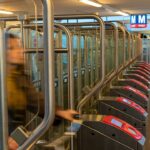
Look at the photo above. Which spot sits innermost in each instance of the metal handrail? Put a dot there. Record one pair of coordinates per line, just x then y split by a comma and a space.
83, 101
70, 53
129, 38
69, 50
49, 78
116, 43
3, 102
123, 31
98, 85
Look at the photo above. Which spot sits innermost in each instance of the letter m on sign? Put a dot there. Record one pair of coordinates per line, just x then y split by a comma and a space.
142, 19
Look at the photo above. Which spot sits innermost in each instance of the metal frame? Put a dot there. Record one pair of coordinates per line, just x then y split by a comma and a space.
70, 75
84, 100
116, 43
49, 78
70, 53
128, 38
88, 73
62, 50
100, 21
3, 102
123, 32
98, 86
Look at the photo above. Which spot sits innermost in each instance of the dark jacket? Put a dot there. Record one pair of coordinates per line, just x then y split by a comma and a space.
21, 96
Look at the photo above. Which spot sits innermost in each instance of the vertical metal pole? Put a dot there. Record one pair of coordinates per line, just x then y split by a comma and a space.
86, 60
70, 67
103, 49
124, 46
97, 60
91, 60
79, 65
3, 101
49, 78
22, 34
129, 46
71, 76
59, 69
116, 47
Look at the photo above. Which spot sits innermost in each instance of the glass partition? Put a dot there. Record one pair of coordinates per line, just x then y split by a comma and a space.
110, 49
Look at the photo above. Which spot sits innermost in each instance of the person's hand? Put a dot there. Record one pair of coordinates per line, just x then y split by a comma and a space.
12, 145
66, 114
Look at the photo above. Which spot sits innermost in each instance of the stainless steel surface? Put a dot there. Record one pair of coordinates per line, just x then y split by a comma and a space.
116, 43
49, 78
102, 62
70, 53
3, 101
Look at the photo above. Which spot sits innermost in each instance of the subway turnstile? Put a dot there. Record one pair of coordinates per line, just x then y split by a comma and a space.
139, 72
99, 132
141, 69
132, 94
137, 77
126, 110
135, 84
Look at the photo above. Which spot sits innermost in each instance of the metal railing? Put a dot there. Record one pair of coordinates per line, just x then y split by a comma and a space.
49, 78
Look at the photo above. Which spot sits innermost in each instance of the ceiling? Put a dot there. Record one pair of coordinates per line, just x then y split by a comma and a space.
76, 7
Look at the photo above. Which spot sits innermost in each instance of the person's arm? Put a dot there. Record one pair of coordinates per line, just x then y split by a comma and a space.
35, 96
12, 145
66, 114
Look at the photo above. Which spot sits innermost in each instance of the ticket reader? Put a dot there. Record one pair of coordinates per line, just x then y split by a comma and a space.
99, 132
126, 110
139, 72
132, 94
135, 84
137, 77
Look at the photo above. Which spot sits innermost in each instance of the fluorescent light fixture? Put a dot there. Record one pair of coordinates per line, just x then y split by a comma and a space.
91, 3
121, 13
6, 12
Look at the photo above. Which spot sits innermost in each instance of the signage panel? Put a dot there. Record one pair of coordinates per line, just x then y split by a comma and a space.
138, 21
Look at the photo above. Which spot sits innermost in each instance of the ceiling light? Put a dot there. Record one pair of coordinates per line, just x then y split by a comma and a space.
6, 12
91, 3
121, 13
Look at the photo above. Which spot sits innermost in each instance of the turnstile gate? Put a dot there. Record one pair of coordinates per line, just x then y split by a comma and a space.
124, 109
131, 93
108, 133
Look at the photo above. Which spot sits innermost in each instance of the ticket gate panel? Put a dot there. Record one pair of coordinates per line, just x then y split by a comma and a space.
132, 94
139, 65
143, 66
141, 69
135, 84
139, 72
107, 133
137, 77
126, 110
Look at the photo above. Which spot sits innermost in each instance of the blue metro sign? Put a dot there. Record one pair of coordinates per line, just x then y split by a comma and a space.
138, 21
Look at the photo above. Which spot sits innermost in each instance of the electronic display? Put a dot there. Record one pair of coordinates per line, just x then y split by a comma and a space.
127, 101
116, 122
